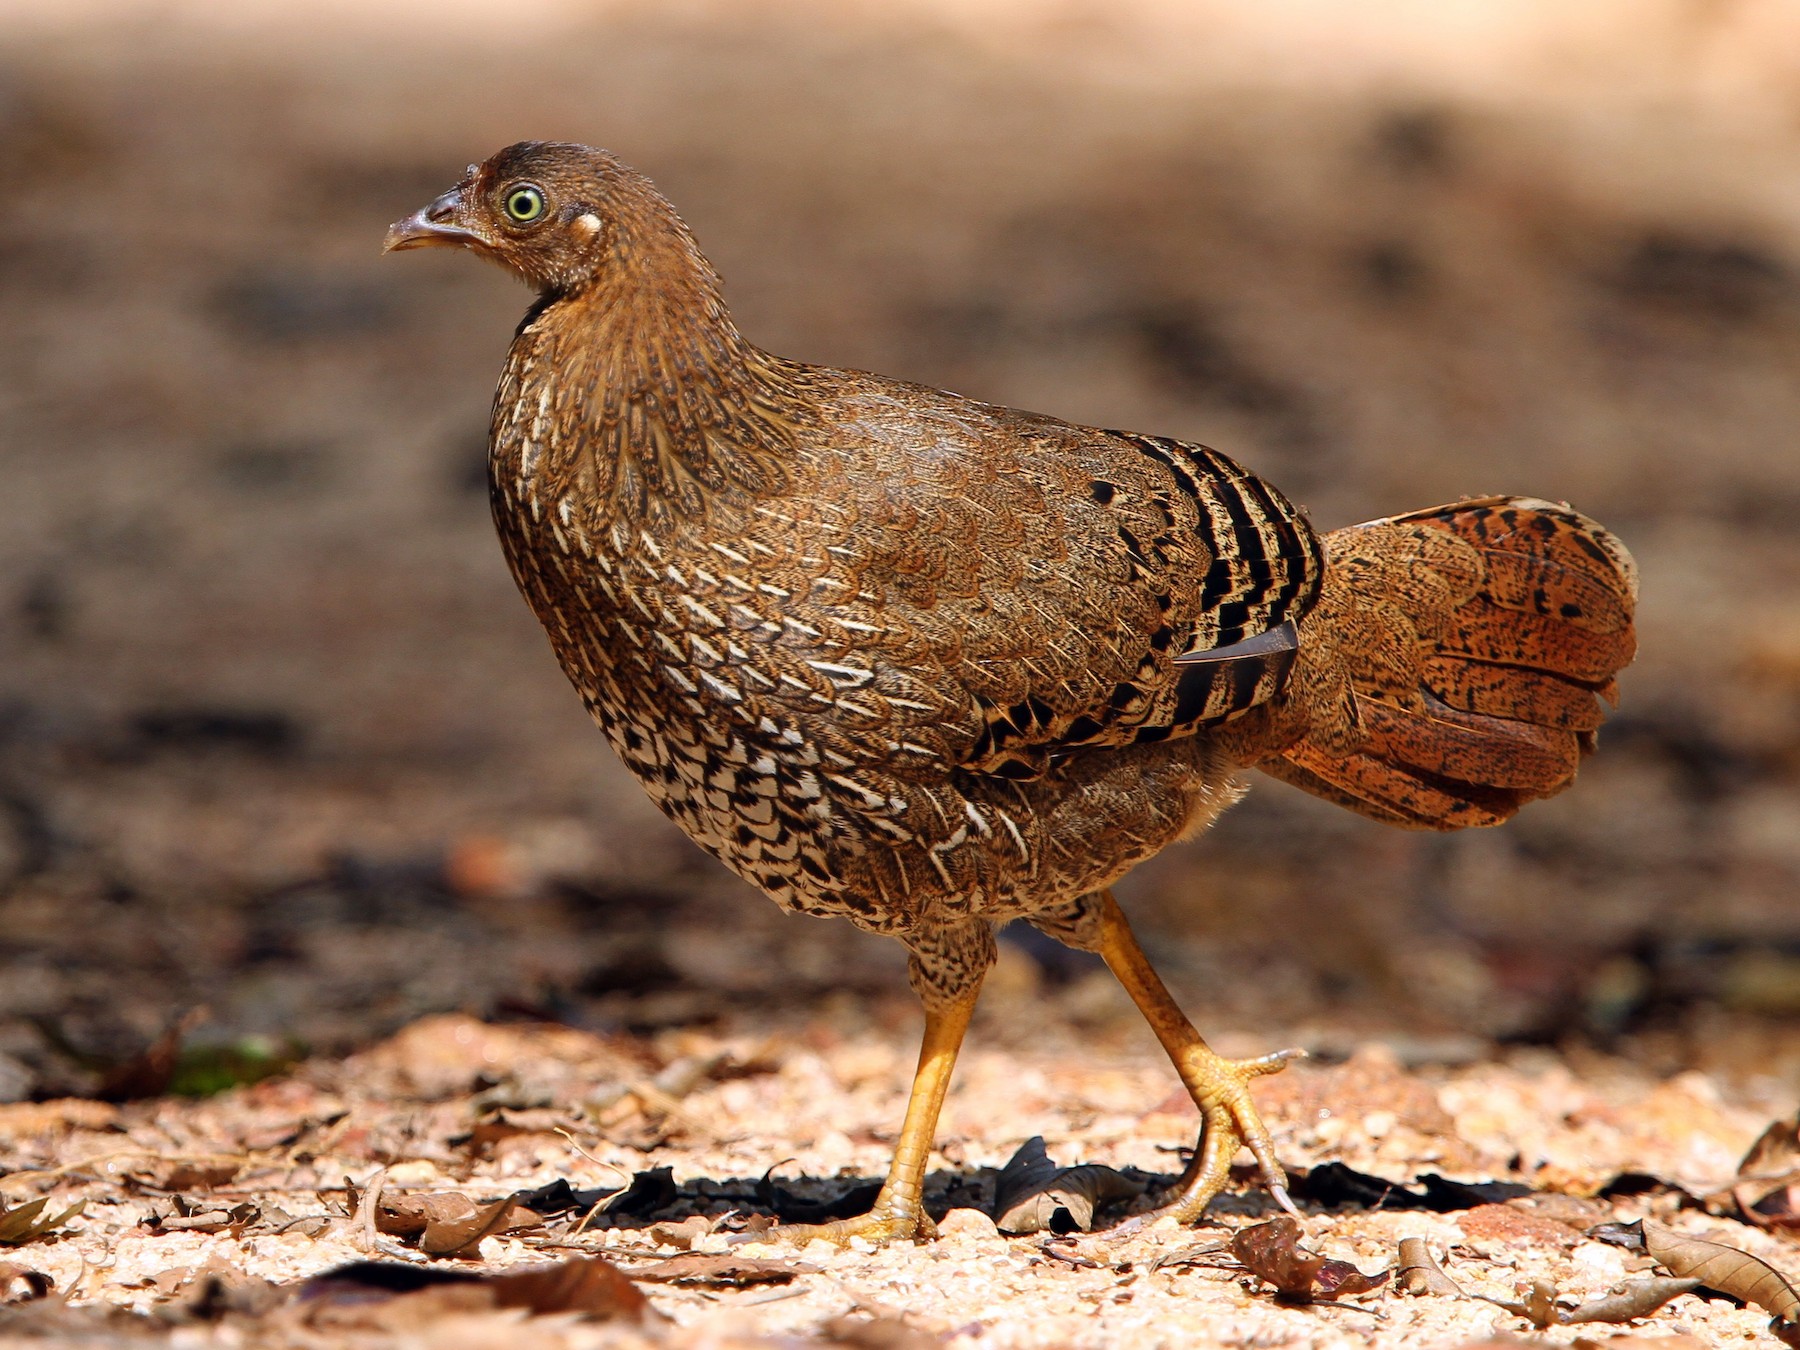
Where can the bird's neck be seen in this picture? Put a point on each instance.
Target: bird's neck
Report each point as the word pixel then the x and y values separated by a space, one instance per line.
pixel 637 401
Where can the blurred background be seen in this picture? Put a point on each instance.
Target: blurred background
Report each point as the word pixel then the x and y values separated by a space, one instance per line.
pixel 278 737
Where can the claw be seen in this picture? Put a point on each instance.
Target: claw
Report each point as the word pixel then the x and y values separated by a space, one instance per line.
pixel 880 1226
pixel 1228 1122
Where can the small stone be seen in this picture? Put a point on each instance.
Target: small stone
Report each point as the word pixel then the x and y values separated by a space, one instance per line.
pixel 967 1223
pixel 413 1172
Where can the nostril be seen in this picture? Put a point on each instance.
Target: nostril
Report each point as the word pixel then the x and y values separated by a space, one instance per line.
pixel 443 208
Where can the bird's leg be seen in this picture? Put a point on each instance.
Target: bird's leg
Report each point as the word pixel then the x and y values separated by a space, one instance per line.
pixel 1220 1087
pixel 947 966
pixel 899 1211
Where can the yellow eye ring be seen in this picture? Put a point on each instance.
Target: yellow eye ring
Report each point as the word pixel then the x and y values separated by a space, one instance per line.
pixel 524 204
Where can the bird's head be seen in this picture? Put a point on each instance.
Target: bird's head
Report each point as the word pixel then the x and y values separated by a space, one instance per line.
pixel 560 216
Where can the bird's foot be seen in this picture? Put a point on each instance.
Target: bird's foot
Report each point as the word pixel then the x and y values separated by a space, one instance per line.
pixel 887 1222
pixel 1228 1121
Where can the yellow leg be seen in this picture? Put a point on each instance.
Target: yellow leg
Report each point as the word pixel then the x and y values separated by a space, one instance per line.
pixel 899 1211
pixel 1220 1087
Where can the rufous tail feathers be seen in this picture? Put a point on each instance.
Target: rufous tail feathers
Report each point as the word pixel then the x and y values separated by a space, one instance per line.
pixel 1455 666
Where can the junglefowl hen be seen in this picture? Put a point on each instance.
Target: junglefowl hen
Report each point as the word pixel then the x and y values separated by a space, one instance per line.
pixel 932 665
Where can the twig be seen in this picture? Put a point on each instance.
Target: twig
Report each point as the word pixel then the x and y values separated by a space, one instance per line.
pixel 366 1231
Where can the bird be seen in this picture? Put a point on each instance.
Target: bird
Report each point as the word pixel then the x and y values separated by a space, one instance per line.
pixel 932 665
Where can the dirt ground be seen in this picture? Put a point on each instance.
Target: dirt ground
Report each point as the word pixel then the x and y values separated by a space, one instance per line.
pixel 278 740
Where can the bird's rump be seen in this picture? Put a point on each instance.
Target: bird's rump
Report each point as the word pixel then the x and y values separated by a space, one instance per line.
pixel 1456 666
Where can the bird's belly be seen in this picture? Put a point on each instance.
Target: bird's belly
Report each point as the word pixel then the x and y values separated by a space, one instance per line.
pixel 729 798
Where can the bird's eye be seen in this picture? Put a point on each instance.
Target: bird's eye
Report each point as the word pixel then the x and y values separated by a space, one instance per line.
pixel 524 204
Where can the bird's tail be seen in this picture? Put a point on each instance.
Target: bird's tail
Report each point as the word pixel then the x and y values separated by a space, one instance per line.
pixel 1455 665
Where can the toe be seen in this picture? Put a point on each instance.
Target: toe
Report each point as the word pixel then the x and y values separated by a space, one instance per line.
pixel 879 1226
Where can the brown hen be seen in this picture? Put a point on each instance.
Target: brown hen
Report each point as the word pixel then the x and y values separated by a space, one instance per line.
pixel 932 665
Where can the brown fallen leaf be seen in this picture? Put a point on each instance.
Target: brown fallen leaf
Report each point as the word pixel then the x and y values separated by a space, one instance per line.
pixel 27 1222
pixel 1778 1208
pixel 685 1233
pixel 1634 1299
pixel 1747 1278
pixel 1637 1298
pixel 397 1297
pixel 1538 1307
pixel 1033 1194
pixel 1776 1150
pixel 721 1269
pixel 1767 1189
pixel 648 1192
pixel 446 1223
pixel 1272 1252
pixel 590 1286
pixel 1419 1273
pixel 187 1216
pixel 213 1291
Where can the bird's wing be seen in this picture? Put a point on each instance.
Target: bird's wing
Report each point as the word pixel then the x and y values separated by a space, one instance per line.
pixel 1005 589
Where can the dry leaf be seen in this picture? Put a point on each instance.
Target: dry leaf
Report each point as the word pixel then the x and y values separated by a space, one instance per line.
pixel 1419 1273
pixel 1335 1185
pixel 447 1223
pixel 396 1297
pixel 1747 1278
pixel 27 1222
pixel 1538 1306
pixel 188 1217
pixel 1637 1298
pixel 1767 1189
pixel 859 1199
pixel 1033 1194
pixel 1776 1150
pixel 1779 1208
pixel 721 1269
pixel 556 1197
pixel 648 1192
pixel 684 1234
pixel 588 1285
pixel 213 1291
pixel 1272 1252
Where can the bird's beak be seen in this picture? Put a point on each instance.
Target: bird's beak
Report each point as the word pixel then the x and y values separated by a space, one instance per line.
pixel 432 226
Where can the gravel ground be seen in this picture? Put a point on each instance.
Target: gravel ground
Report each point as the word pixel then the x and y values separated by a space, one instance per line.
pixel 488 1110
